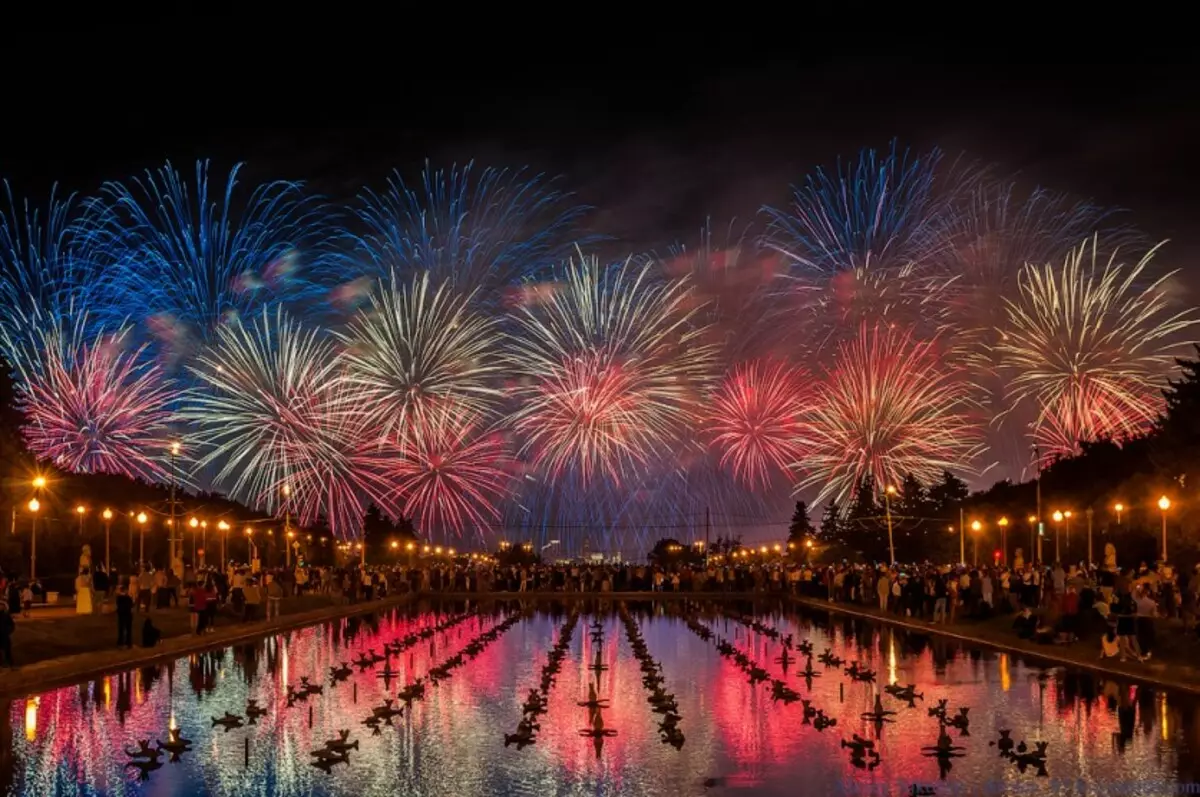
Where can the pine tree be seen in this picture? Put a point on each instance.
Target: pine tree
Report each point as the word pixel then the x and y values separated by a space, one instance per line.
pixel 801 526
pixel 831 524
pixel 946 495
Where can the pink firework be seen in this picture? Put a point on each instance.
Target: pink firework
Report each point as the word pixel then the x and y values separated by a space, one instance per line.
pixel 448 471
pixel 890 407
pixel 97 408
pixel 757 420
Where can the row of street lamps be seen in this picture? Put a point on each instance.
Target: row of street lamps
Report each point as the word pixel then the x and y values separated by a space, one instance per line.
pixel 1060 517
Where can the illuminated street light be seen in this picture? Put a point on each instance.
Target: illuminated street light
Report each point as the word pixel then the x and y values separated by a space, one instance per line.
pixel 1164 504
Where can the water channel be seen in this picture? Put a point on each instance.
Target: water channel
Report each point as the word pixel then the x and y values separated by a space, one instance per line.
pixel 1102 736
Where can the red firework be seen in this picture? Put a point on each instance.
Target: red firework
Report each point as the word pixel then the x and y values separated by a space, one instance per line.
pixel 757 420
pixel 96 408
pixel 448 471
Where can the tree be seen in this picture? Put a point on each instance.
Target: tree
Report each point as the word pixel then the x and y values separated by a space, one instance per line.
pixel 671 551
pixel 801 526
pixel 946 495
pixel 724 546
pixel 864 529
pixel 831 524
pixel 378 533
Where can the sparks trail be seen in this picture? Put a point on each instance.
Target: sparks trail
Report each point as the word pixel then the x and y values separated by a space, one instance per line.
pixel 535 704
pixel 662 702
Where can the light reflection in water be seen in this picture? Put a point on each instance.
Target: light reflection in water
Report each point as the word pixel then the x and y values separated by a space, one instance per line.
pixel 452 742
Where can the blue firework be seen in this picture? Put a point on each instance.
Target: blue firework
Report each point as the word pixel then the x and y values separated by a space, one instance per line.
pixel 43 275
pixel 473 229
pixel 191 255
pixel 863 241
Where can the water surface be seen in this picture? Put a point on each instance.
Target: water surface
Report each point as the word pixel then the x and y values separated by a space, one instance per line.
pixel 1104 736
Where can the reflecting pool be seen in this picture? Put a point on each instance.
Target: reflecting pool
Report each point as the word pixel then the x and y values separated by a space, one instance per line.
pixel 1101 736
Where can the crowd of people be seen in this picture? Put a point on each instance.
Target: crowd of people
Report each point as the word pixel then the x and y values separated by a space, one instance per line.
pixel 1053 605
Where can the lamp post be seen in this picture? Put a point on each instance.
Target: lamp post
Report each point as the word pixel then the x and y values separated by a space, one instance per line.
pixel 1119 508
pixel 887 503
pixel 251 548
pixel 1090 514
pixel 171 538
pixel 1003 523
pixel 287 524
pixel 141 519
pixel 81 510
pixel 1164 504
pixel 34 506
pixel 224 527
pixel 1057 517
pixel 1034 554
pixel 107 515
pixel 195 524
pixel 203 542
pixel 976 527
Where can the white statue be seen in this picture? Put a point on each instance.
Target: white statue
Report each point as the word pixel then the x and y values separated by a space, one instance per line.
pixel 1018 559
pixel 1110 557
pixel 85 558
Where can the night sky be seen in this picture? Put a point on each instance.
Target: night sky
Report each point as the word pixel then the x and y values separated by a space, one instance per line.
pixel 655 144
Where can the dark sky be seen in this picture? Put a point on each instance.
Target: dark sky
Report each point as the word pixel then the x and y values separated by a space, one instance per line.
pixel 655 143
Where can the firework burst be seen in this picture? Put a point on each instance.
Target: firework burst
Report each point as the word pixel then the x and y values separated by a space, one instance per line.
pixel 611 367
pixel 273 412
pixel 41 273
pixel 449 470
pixel 93 405
pixel 1090 343
pixel 472 229
pixel 756 420
pixel 889 408
pixel 192 256
pixel 416 345
pixel 864 244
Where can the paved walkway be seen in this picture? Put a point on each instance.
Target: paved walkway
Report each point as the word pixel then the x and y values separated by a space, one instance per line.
pixel 62 649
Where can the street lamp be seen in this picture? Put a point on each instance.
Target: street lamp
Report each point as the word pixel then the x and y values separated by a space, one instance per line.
pixel 1057 517
pixel 251 548
pixel 1164 504
pixel 976 527
pixel 34 506
pixel 224 527
pixel 1034 554
pixel 888 492
pixel 1003 524
pixel 171 538
pixel 195 524
pixel 81 510
pixel 1119 508
pixel 141 519
pixel 286 491
pixel 1068 516
pixel 107 515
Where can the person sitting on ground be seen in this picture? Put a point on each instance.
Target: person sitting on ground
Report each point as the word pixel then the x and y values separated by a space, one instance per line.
pixel 1025 624
pixel 151 636
pixel 1109 648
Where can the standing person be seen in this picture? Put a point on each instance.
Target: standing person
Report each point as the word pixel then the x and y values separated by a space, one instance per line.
pixel 274 594
pixel 6 631
pixel 199 600
pixel 124 618
pixel 83 592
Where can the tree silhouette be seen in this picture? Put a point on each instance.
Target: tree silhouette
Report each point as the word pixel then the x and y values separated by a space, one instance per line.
pixel 801 526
